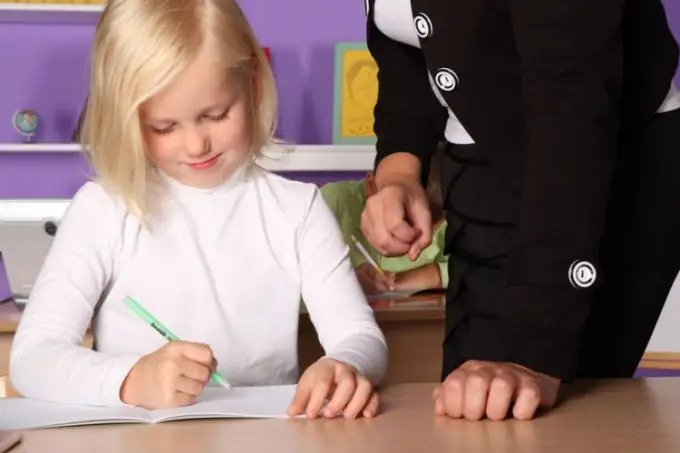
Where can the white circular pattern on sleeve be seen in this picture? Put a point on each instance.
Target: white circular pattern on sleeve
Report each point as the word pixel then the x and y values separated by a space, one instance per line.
pixel 582 274
pixel 446 79
pixel 423 25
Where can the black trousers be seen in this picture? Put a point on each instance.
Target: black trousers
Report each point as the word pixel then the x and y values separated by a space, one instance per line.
pixel 640 253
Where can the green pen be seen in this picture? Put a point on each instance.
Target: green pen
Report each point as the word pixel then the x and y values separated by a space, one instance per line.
pixel 165 332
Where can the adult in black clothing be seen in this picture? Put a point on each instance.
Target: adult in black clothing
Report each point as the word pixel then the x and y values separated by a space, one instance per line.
pixel 561 184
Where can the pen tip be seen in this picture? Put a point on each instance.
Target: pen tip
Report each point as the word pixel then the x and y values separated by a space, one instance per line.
pixel 221 381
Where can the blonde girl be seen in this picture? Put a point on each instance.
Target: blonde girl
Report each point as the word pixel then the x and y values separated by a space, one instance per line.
pixel 182 219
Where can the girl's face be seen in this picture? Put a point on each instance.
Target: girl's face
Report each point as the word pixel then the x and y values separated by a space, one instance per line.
pixel 197 129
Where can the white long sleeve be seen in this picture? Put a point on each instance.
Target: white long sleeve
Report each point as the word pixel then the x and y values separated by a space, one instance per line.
pixel 226 267
pixel 329 285
pixel 47 360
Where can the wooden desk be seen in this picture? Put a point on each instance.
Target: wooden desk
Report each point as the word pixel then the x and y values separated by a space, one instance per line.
pixel 414 329
pixel 630 416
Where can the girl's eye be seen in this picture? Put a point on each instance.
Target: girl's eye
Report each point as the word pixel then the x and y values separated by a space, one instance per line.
pixel 219 117
pixel 163 131
pixel 170 128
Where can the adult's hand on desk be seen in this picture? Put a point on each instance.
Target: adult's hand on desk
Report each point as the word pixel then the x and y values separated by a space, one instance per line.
pixel 396 220
pixel 348 393
pixel 173 375
pixel 494 389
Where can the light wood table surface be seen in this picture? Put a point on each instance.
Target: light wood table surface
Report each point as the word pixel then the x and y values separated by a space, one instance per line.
pixel 629 416
pixel 414 329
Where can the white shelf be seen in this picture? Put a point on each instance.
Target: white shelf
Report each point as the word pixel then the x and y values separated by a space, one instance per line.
pixel 320 158
pixel 50 12
pixel 283 158
pixel 22 148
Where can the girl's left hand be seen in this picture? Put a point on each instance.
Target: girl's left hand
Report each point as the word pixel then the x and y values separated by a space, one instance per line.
pixel 348 393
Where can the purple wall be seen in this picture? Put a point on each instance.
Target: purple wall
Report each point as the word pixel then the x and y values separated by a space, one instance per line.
pixel 47 72
pixel 49 65
pixel 673 12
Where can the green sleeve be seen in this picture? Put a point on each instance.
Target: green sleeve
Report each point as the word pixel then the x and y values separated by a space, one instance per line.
pixel 442 260
pixel 342 200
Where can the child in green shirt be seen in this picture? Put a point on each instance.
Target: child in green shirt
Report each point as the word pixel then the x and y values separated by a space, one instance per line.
pixel 429 271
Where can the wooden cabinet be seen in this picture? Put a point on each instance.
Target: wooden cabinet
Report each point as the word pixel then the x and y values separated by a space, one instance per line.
pixel 415 347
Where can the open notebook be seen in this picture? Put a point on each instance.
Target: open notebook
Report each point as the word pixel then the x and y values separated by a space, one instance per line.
pixel 214 402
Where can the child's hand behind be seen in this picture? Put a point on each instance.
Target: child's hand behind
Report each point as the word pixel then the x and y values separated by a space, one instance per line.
pixel 170 376
pixel 349 394
pixel 425 277
pixel 372 281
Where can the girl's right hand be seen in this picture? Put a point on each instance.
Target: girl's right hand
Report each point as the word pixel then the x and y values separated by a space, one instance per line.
pixel 372 281
pixel 171 376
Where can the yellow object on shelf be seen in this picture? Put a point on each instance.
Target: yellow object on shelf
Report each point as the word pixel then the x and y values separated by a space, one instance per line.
pixel 356 92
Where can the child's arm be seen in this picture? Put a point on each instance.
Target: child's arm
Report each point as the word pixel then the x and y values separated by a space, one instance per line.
pixel 337 306
pixel 429 276
pixel 47 360
pixel 340 197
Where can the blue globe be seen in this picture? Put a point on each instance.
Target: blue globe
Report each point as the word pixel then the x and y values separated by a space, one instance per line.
pixel 26 122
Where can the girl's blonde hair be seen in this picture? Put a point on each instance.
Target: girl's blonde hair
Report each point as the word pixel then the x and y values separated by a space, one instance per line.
pixel 140 47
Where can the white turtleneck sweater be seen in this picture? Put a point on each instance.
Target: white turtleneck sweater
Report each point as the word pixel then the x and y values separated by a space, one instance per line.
pixel 226 267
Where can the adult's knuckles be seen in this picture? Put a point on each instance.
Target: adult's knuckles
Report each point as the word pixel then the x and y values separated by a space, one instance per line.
pixel 530 393
pixel 382 242
pixel 473 365
pixel 503 384
pixel 477 381
pixel 454 383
